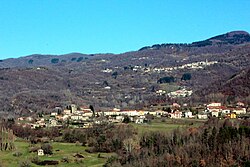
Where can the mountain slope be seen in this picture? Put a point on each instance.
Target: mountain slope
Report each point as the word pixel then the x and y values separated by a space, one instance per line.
pixel 127 80
pixel 238 85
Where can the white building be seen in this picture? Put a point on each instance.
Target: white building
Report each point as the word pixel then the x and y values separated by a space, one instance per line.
pixel 119 118
pixel 54 114
pixel 76 117
pixel 160 92
pixel 202 116
pixel 73 108
pixel 214 113
pixel 40 152
pixel 129 112
pixel 53 122
pixel 139 120
pixel 67 112
pixel 176 115
pixel 188 114
pixel 107 87
pixel 214 105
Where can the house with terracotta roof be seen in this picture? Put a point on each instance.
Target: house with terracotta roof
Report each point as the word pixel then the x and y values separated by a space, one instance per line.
pixel 87 113
pixel 239 111
pixel 226 110
pixel 176 105
pixel 215 108
pixel 240 104
pixel 129 112
pixel 214 104
pixel 177 114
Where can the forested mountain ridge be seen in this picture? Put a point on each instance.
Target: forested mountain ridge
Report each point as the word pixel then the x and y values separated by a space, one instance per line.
pixel 35 60
pixel 217 44
pixel 231 38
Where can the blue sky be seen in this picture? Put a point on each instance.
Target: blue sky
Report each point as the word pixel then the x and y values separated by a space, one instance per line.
pixel 112 26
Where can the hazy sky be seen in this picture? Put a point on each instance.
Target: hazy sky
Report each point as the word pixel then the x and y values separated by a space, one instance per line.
pixel 112 26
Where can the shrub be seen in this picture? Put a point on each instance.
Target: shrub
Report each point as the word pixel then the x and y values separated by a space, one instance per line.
pixel 30 61
pixel 33 149
pixel 163 120
pixel 17 154
pixel 115 74
pixel 79 59
pixel 90 150
pixel 112 161
pixel 47 148
pixel 65 160
pixel 48 162
pixel 126 119
pixel 24 163
pixel 78 160
pixel 73 59
pixel 186 76
pixel 78 143
pixel 35 160
pixel 166 80
pixel 55 60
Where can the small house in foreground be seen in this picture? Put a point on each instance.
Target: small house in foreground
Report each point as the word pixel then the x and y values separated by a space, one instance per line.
pixel 40 152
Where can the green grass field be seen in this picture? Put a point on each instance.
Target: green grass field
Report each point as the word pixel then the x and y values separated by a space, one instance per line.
pixel 167 125
pixel 63 150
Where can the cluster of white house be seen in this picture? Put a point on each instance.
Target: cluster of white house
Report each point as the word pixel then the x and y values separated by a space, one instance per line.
pixel 138 116
pixel 141 58
pixel 197 65
pixel 213 110
pixel 107 70
pixel 217 109
pixel 117 115
pixel 194 65
pixel 178 93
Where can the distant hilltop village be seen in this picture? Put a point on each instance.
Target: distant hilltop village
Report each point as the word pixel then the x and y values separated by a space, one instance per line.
pixel 194 65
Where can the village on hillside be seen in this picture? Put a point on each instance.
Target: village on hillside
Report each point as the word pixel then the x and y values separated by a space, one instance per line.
pixel 84 117
pixel 191 65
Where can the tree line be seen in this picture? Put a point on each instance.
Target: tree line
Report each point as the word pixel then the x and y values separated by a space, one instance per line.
pixel 218 143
